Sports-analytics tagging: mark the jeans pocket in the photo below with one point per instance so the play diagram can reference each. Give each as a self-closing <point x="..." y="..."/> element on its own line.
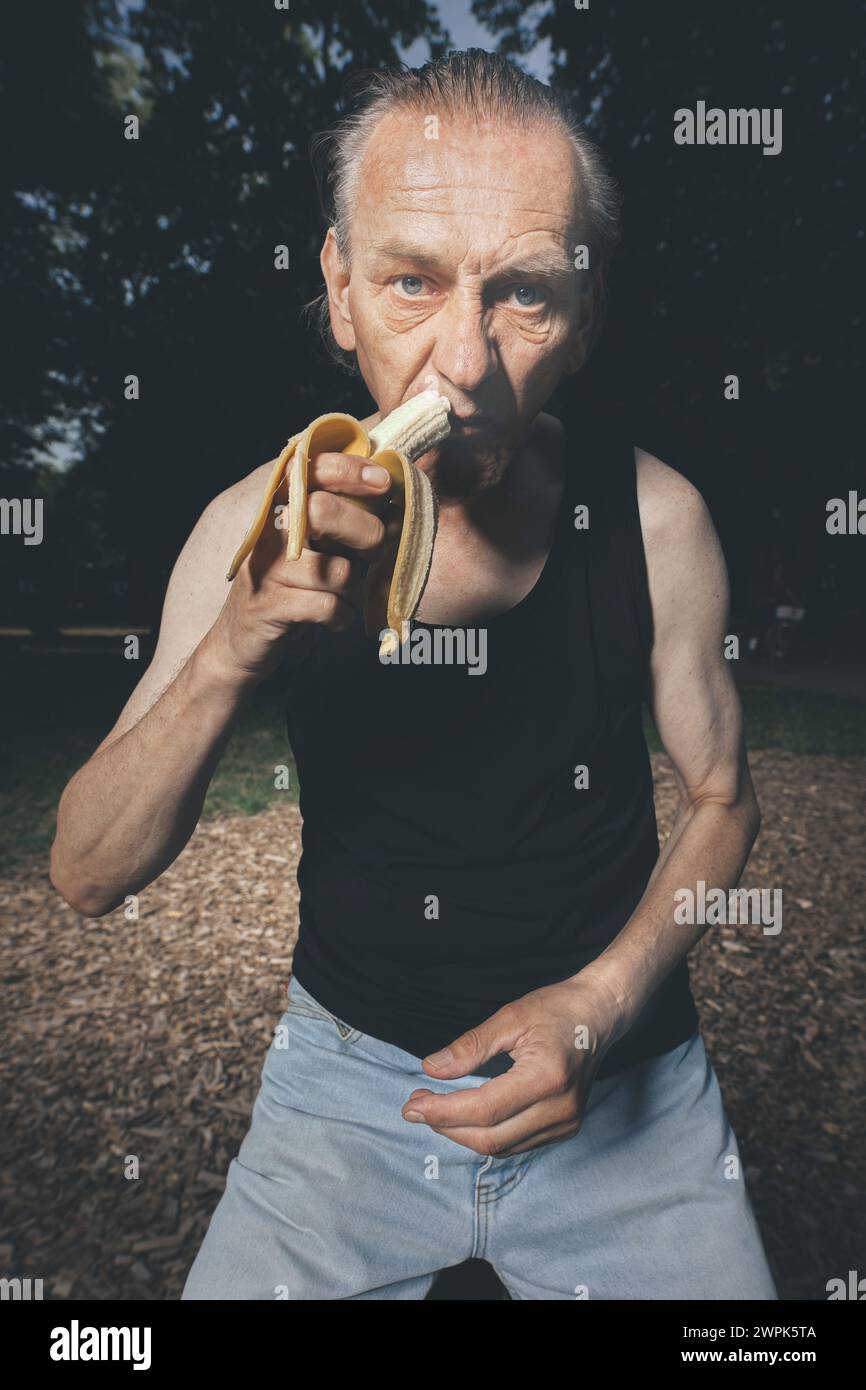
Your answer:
<point x="301" y="1002"/>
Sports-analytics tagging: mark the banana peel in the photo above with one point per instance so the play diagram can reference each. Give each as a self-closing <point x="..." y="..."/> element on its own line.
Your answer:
<point x="395" y="582"/>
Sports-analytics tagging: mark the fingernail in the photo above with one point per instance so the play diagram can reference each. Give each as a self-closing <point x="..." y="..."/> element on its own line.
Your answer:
<point x="441" y="1059"/>
<point x="374" y="473"/>
<point x="414" y="1115"/>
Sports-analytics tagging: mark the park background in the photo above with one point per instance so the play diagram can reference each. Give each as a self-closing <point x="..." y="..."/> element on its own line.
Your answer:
<point x="156" y="257"/>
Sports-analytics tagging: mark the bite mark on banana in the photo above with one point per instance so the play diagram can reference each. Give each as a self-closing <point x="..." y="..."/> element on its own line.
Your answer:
<point x="395" y="582"/>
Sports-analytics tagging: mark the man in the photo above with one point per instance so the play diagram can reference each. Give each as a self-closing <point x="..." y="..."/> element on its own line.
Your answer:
<point x="490" y="1044"/>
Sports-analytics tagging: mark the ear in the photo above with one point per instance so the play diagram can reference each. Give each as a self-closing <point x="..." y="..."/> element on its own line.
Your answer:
<point x="337" y="279"/>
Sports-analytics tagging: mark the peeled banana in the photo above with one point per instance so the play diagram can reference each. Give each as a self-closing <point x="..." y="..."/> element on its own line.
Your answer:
<point x="396" y="582"/>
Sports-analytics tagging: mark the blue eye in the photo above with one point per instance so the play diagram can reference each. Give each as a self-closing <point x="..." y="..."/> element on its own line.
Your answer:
<point x="416" y="279"/>
<point x="528" y="289"/>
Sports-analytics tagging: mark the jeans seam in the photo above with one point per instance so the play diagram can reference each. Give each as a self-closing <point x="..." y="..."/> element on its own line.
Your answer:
<point x="479" y="1212"/>
<point x="300" y="1006"/>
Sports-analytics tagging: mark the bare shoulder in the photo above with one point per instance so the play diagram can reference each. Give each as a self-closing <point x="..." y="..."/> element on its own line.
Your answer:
<point x="671" y="508"/>
<point x="685" y="565"/>
<point x="197" y="589"/>
<point x="226" y="517"/>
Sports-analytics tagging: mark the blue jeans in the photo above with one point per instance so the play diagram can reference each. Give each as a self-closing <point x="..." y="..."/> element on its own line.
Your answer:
<point x="334" y="1195"/>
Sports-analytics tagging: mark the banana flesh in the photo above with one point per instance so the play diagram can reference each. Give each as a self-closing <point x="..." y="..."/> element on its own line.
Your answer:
<point x="396" y="582"/>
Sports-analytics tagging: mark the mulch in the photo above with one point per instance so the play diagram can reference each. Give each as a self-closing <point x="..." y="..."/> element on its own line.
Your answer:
<point x="144" y="1040"/>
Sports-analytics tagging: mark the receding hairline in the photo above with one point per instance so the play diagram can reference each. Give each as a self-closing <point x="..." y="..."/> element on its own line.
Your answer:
<point x="541" y="126"/>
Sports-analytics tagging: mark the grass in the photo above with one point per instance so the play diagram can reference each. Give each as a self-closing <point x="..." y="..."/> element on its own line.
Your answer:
<point x="58" y="707"/>
<point x="798" y="721"/>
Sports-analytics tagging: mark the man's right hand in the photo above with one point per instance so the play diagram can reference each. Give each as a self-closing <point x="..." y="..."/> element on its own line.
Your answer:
<point x="272" y="602"/>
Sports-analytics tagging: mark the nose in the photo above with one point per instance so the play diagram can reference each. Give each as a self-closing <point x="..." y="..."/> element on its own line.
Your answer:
<point x="464" y="354"/>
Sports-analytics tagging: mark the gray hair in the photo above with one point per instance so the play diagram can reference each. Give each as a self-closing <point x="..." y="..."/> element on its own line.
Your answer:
<point x="468" y="83"/>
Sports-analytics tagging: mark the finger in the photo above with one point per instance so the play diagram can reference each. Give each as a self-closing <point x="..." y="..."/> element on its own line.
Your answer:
<point x="314" y="606"/>
<point x="494" y="1102"/>
<point x="540" y="1124"/>
<point x="272" y="541"/>
<point x="345" y="473"/>
<point x="557" y="1135"/>
<point x="317" y="570"/>
<point x="312" y="570"/>
<point x="337" y="520"/>
<point x="501" y="1032"/>
<point x="393" y="523"/>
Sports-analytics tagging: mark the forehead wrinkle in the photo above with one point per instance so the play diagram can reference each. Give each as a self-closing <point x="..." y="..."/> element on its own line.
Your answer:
<point x="561" y="217"/>
<point x="445" y="187"/>
<point x="470" y="156"/>
<point x="412" y="183"/>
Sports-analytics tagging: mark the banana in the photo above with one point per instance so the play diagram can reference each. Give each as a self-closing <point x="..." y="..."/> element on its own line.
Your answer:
<point x="396" y="582"/>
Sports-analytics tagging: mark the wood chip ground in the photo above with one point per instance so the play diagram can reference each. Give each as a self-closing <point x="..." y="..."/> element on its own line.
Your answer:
<point x="148" y="1038"/>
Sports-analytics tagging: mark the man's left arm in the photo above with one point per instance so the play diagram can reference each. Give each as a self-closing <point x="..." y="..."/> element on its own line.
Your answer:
<point x="698" y="716"/>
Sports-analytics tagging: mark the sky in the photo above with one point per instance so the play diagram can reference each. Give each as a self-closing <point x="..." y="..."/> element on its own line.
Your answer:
<point x="466" y="32"/>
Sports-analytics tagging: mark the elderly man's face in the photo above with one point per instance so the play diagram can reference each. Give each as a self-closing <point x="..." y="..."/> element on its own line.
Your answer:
<point x="463" y="272"/>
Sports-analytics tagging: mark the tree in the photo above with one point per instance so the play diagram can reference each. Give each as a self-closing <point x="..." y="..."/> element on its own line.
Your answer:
<point x="731" y="261"/>
<point x="154" y="257"/>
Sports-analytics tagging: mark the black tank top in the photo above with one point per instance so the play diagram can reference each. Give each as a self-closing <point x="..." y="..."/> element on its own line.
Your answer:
<point x="450" y="863"/>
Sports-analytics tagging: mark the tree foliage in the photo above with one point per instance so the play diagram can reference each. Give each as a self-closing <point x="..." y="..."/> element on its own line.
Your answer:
<point x="731" y="261"/>
<point x="154" y="257"/>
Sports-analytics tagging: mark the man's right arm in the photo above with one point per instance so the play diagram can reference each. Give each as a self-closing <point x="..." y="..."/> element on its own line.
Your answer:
<point x="129" y="811"/>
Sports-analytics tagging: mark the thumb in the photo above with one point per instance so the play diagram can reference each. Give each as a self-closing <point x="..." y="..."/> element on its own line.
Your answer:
<point x="466" y="1053"/>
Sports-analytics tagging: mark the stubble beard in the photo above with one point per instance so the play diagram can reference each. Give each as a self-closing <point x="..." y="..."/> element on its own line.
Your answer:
<point x="468" y="469"/>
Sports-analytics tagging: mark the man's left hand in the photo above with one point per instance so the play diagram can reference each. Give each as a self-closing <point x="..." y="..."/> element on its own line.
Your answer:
<point x="558" y="1037"/>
